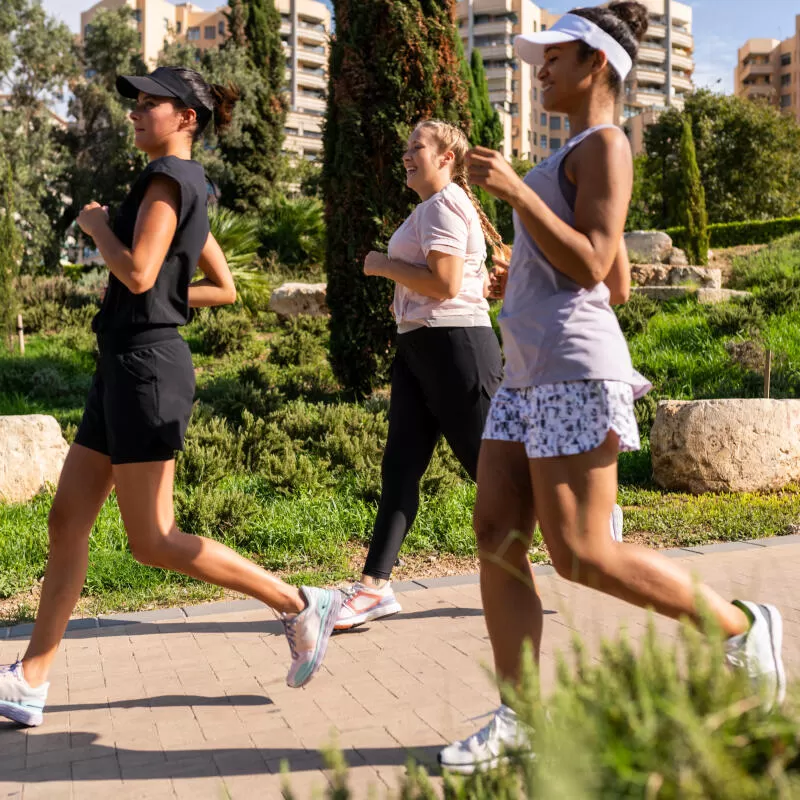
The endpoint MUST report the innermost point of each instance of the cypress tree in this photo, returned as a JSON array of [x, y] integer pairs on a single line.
[[255, 152], [235, 17], [487, 129], [693, 201], [391, 64], [10, 255]]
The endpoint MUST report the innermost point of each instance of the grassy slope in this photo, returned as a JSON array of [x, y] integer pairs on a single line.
[[295, 486]]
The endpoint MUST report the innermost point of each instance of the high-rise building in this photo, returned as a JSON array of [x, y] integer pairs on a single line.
[[665, 66], [769, 70], [305, 45]]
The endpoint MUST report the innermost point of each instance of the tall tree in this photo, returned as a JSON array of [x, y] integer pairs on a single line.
[[693, 201], [235, 16], [37, 57], [103, 160], [10, 255], [254, 154], [487, 128], [391, 64], [748, 155]]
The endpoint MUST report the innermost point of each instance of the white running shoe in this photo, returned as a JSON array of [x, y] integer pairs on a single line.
[[489, 747], [758, 652], [309, 631], [364, 603], [616, 523], [19, 701]]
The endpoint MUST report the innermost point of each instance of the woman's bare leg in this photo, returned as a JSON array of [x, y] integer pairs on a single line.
[[144, 493], [504, 522], [83, 487], [574, 499]]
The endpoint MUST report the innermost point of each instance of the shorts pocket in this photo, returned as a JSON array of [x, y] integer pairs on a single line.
[[176, 388]]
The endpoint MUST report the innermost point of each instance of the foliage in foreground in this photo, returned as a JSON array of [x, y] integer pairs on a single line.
[[661, 721]]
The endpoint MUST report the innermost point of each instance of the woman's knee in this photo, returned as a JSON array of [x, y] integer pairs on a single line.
[[151, 550], [579, 562], [501, 538], [64, 529]]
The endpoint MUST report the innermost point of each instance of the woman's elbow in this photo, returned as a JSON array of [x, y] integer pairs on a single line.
[[230, 297], [620, 296]]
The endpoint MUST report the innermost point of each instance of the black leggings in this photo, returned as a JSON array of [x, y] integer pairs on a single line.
[[443, 380]]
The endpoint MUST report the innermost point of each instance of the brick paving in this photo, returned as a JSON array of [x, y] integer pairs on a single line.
[[174, 706]]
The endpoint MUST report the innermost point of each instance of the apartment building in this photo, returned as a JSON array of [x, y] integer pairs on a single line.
[[305, 29], [769, 70]]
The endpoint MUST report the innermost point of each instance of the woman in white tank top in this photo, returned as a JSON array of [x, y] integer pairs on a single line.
[[565, 408]]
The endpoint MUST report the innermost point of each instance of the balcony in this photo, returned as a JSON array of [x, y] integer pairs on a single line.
[[311, 80], [679, 82], [312, 59], [311, 35], [496, 52], [484, 7], [752, 70], [501, 96], [652, 55], [498, 73], [647, 74], [657, 31], [760, 90], [501, 27], [682, 40], [682, 62]]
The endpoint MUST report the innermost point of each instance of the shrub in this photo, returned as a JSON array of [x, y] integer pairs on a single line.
[[225, 514], [222, 331], [729, 319], [294, 230], [733, 234], [634, 315], [692, 209], [303, 341]]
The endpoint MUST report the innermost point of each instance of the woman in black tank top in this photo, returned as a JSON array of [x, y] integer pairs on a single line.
[[141, 395]]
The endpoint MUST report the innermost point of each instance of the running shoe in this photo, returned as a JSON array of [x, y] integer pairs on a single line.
[[758, 652], [489, 747], [616, 523], [364, 603], [18, 701], [309, 631]]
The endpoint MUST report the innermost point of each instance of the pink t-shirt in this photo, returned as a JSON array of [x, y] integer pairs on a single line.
[[447, 223]]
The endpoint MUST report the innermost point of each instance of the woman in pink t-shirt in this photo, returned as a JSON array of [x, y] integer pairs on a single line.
[[448, 363]]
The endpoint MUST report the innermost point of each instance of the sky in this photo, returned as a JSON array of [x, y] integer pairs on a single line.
[[720, 28]]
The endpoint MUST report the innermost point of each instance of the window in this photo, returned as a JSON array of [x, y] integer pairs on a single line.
[[166, 24], [566, 123], [210, 32], [514, 110], [514, 86], [535, 93], [178, 26], [543, 120], [533, 138], [137, 14], [786, 80], [543, 141], [221, 28], [291, 131], [555, 123], [786, 101], [555, 143], [193, 33], [786, 59], [87, 29]]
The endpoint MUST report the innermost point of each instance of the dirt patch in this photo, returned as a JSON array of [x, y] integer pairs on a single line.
[[723, 258]]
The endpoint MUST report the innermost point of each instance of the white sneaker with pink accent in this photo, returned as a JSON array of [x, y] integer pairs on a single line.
[[365, 603]]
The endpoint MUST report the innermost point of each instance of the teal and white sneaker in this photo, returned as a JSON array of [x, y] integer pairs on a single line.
[[309, 631], [18, 701], [758, 652], [489, 747], [616, 523]]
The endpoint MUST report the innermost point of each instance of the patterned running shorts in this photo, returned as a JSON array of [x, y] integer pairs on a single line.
[[563, 419]]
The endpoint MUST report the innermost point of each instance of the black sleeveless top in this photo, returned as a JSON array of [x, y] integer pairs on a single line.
[[166, 305]]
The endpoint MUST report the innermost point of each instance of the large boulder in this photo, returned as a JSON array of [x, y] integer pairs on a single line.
[[726, 445], [294, 299], [667, 275], [648, 247], [32, 452]]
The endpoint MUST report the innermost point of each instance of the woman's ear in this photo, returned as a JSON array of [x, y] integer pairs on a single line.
[[599, 62], [189, 118], [447, 157]]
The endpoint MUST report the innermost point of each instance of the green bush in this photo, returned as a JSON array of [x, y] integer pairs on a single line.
[[737, 317], [294, 230], [221, 331], [634, 315], [733, 234], [652, 722]]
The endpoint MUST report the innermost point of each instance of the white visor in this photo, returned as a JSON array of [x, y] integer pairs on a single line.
[[530, 47]]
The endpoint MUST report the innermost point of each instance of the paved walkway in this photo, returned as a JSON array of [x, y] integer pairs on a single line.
[[193, 703]]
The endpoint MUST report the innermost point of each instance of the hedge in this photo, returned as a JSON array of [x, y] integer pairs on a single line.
[[731, 234]]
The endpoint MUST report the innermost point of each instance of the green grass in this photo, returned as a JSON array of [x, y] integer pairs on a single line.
[[281, 467]]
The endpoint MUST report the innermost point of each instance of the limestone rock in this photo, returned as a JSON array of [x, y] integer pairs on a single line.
[[726, 445], [677, 258], [666, 275], [648, 247], [294, 299], [704, 296], [709, 297], [32, 453]]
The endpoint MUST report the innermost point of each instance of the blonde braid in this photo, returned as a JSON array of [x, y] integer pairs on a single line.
[[452, 138]]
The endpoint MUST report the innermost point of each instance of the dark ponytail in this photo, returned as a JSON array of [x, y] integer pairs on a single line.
[[217, 100], [624, 21], [225, 98]]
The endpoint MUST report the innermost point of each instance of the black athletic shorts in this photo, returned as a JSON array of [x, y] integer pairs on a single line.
[[141, 398]]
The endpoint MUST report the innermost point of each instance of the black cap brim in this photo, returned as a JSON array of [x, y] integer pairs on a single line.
[[130, 86]]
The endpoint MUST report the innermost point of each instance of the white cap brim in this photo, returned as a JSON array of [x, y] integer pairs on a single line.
[[530, 47]]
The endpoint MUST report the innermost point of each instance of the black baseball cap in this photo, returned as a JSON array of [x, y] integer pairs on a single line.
[[163, 82]]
